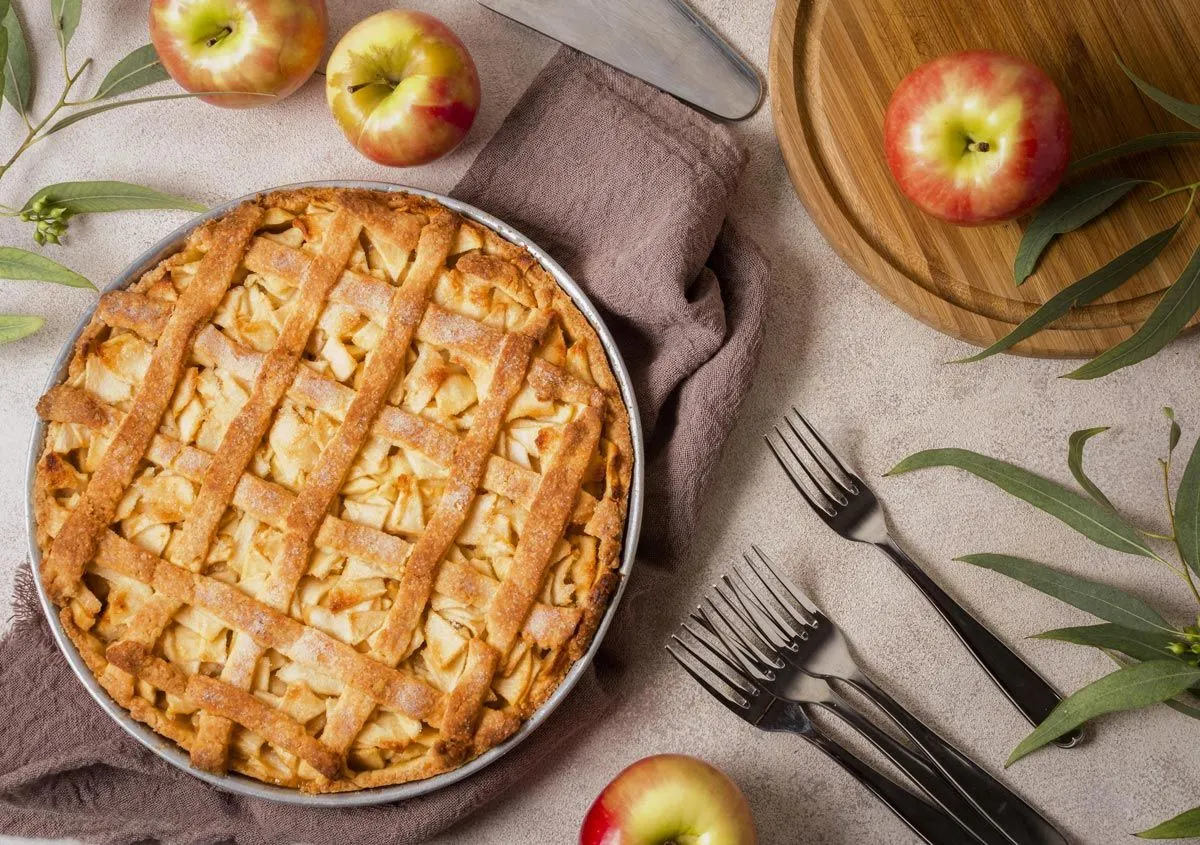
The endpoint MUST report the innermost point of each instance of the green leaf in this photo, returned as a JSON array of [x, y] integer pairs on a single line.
[[1066, 211], [1174, 434], [3, 50], [1143, 144], [93, 197], [25, 265], [1180, 706], [16, 326], [1185, 111], [1088, 289], [1140, 644], [1176, 308], [1075, 446], [137, 70], [1186, 825], [18, 64], [1100, 600], [66, 18], [1139, 685], [1187, 512], [80, 115], [1089, 518]]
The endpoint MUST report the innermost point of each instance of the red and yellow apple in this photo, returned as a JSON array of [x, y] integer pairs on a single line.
[[669, 798], [250, 47], [977, 137], [402, 87]]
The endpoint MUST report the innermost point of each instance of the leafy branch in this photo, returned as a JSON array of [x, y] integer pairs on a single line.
[[1082, 202], [1158, 661], [51, 208]]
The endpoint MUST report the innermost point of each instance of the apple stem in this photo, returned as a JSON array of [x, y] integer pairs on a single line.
[[978, 146], [216, 39]]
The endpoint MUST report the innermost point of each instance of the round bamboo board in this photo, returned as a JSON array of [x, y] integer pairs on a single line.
[[833, 66]]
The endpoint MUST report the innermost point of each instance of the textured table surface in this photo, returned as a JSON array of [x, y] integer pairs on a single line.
[[871, 376]]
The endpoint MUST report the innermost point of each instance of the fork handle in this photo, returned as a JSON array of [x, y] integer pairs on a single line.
[[1001, 806], [917, 768], [1021, 684], [930, 823]]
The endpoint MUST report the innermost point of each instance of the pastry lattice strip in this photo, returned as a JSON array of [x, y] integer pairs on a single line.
[[77, 538], [144, 316], [368, 296], [407, 305], [242, 436], [547, 625], [352, 710]]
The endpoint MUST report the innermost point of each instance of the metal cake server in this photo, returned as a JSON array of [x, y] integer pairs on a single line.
[[663, 42]]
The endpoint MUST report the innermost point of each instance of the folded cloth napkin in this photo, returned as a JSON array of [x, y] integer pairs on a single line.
[[629, 190]]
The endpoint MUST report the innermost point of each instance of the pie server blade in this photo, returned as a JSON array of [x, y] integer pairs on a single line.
[[663, 42]]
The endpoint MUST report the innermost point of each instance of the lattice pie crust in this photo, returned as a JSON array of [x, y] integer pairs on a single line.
[[334, 496]]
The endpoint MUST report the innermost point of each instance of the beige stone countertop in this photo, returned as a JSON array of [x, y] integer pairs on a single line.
[[871, 376]]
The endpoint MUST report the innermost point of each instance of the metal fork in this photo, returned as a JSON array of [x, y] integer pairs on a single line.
[[786, 624], [784, 682], [727, 616], [848, 506], [729, 685]]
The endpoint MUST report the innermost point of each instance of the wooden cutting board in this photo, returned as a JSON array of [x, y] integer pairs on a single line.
[[833, 66]]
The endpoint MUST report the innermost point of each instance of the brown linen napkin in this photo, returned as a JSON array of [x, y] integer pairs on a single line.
[[628, 189]]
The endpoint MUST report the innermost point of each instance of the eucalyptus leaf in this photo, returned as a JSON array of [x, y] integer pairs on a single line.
[[1065, 212], [16, 326], [1185, 111], [1186, 825], [1100, 600], [18, 64], [1173, 312], [66, 18], [29, 266], [1187, 512], [1075, 445], [80, 115], [137, 70], [3, 55], [1088, 289], [1145, 143], [1185, 707], [93, 197], [1132, 687], [4, 6], [1089, 518], [1137, 643], [1174, 434]]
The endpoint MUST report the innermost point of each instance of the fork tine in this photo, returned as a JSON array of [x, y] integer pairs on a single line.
[[756, 617], [751, 643], [739, 611], [738, 683], [740, 703], [725, 654], [823, 505], [794, 606], [798, 594], [842, 489], [791, 618], [748, 591], [836, 495], [730, 650], [854, 480]]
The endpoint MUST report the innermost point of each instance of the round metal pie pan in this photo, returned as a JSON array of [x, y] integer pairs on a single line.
[[241, 784]]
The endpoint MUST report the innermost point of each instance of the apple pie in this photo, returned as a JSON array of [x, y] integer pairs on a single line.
[[334, 496]]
